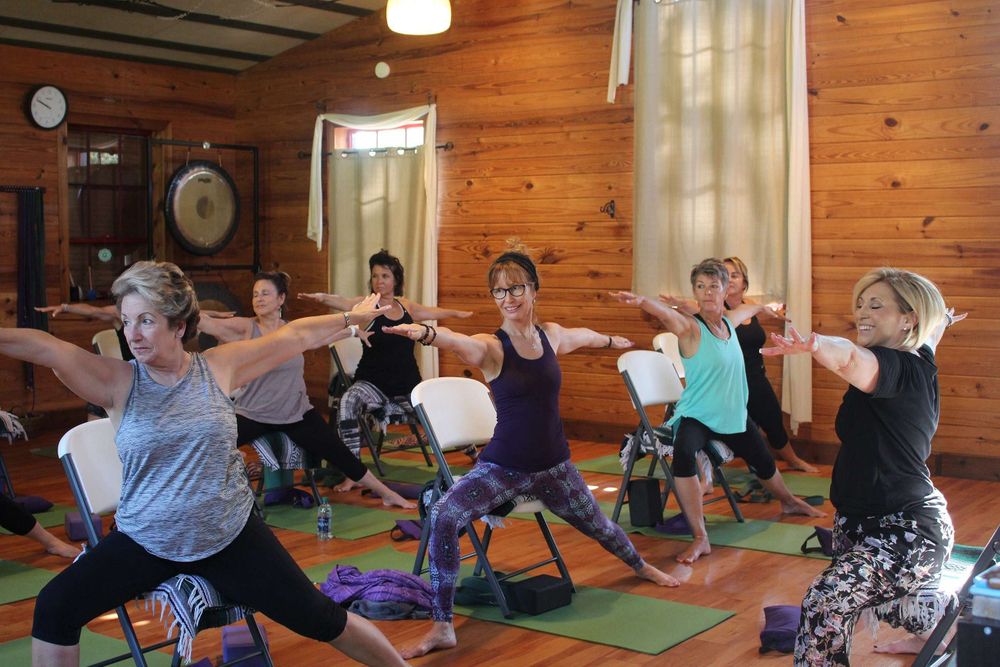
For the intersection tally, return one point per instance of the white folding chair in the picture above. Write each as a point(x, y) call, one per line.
point(666, 342)
point(346, 355)
point(651, 379)
point(455, 413)
point(106, 344)
point(91, 462)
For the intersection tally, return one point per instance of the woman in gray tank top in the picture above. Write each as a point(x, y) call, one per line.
point(277, 400)
point(185, 504)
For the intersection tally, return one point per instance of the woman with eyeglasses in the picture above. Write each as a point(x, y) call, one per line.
point(714, 403)
point(387, 372)
point(528, 454)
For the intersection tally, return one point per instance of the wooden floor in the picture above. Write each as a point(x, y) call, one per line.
point(738, 580)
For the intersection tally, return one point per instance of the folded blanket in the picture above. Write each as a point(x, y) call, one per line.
point(191, 603)
point(277, 451)
point(346, 584)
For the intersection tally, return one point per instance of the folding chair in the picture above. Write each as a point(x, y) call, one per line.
point(455, 413)
point(651, 379)
point(277, 451)
point(106, 344)
point(666, 343)
point(91, 462)
point(926, 657)
point(346, 354)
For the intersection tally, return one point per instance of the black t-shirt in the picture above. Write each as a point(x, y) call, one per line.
point(886, 438)
point(389, 363)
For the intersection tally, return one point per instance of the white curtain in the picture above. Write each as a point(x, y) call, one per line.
point(381, 201)
point(721, 154)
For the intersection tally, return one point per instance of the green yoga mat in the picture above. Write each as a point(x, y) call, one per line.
point(723, 530)
point(633, 622)
point(54, 516)
point(350, 522)
point(93, 648)
point(20, 582)
point(413, 471)
point(800, 485)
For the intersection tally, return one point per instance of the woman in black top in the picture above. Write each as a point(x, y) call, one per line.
point(763, 406)
point(387, 372)
point(892, 532)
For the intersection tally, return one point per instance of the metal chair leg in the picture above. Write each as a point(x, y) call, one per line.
point(632, 456)
point(729, 493)
point(554, 549)
point(491, 576)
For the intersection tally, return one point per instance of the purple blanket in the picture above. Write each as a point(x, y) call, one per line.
point(346, 583)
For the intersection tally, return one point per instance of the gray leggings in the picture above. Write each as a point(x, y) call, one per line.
point(488, 486)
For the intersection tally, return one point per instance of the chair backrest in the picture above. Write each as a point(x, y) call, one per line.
point(89, 456)
point(666, 343)
point(455, 411)
point(650, 377)
point(106, 344)
point(346, 355)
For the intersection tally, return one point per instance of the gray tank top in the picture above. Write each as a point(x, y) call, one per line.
point(185, 493)
point(277, 397)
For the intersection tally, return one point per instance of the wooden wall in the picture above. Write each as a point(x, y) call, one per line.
point(904, 144)
point(177, 103)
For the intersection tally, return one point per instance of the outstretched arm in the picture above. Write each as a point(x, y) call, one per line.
point(684, 326)
point(476, 350)
point(688, 306)
point(745, 311)
point(227, 330)
point(93, 378)
point(564, 340)
point(235, 364)
point(103, 313)
point(949, 319)
point(422, 312)
point(856, 364)
point(331, 300)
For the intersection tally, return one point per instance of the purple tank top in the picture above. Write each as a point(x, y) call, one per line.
point(529, 433)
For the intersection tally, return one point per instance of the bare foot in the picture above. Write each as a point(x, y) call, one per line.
point(659, 578)
point(699, 547)
point(60, 548)
point(909, 644)
point(442, 635)
point(346, 485)
point(796, 505)
point(798, 464)
point(393, 499)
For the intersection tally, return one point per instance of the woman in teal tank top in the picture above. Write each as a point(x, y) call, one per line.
point(714, 403)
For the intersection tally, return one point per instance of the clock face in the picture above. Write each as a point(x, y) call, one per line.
point(47, 107)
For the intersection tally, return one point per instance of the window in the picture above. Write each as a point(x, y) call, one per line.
point(107, 173)
point(406, 136)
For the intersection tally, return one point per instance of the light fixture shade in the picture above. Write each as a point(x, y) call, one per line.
point(418, 17)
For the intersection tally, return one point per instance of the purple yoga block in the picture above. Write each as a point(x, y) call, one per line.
point(76, 530)
point(237, 642)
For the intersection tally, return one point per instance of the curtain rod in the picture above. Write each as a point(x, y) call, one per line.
point(304, 154)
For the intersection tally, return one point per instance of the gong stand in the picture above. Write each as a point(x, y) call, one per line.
point(254, 154)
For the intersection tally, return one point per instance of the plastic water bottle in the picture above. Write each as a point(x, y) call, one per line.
point(324, 521)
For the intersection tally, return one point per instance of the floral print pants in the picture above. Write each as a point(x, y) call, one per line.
point(881, 566)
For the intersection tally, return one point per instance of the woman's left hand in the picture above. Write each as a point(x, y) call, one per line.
point(366, 309)
point(620, 343)
point(793, 343)
point(364, 335)
point(951, 318)
point(412, 331)
point(776, 310)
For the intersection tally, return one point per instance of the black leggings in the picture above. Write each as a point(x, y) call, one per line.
point(764, 408)
point(691, 436)
point(254, 570)
point(15, 518)
point(312, 434)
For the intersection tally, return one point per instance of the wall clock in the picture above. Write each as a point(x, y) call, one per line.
point(47, 107)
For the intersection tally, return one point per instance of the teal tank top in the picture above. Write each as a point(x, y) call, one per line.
point(716, 392)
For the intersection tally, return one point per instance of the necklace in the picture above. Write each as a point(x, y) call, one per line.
point(533, 339)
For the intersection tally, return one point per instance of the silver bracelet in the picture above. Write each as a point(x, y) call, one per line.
point(354, 330)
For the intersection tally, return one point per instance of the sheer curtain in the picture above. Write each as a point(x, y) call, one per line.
point(721, 153)
point(378, 201)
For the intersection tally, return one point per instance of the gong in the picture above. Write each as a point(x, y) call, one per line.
point(202, 207)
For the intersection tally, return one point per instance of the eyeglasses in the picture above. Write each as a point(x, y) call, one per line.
point(501, 292)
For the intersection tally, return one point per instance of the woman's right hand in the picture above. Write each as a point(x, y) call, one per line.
point(412, 331)
point(317, 297)
point(52, 310)
point(365, 310)
point(628, 297)
point(793, 343)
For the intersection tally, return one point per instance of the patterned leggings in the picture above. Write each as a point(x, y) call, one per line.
point(881, 566)
point(365, 398)
point(488, 486)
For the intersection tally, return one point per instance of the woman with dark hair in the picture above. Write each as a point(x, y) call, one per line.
point(387, 372)
point(277, 400)
point(529, 454)
point(20, 521)
point(714, 403)
point(185, 506)
point(892, 532)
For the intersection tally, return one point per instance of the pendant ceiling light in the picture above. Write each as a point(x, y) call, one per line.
point(418, 17)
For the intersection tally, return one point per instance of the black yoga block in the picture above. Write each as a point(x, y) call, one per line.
point(644, 502)
point(538, 594)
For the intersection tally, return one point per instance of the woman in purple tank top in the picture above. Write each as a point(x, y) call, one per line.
point(528, 454)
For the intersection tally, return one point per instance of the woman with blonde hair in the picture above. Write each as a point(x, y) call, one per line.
point(892, 532)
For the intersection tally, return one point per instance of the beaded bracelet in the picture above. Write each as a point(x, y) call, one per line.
point(609, 342)
point(433, 332)
point(427, 332)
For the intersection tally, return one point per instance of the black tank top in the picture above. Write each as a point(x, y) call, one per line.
point(389, 363)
